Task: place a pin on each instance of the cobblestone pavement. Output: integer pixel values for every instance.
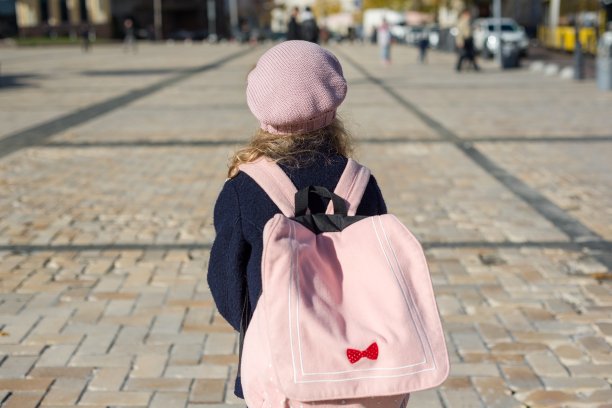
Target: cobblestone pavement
(110, 164)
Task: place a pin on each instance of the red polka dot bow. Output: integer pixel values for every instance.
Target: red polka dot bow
(356, 355)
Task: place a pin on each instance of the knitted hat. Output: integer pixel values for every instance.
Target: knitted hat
(295, 87)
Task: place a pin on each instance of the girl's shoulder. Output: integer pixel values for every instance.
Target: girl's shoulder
(240, 185)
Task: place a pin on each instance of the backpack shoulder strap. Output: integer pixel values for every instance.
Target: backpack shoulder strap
(273, 180)
(352, 185)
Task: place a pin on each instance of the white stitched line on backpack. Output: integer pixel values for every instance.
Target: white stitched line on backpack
(294, 274)
(410, 297)
(366, 377)
(291, 274)
(425, 263)
(297, 305)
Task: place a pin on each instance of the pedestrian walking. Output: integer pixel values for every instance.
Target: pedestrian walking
(465, 41)
(309, 29)
(383, 37)
(85, 37)
(129, 40)
(423, 45)
(293, 28)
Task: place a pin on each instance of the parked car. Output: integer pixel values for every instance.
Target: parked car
(373, 18)
(414, 34)
(485, 40)
(398, 31)
(434, 35)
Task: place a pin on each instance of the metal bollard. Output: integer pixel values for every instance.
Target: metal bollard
(604, 62)
(578, 55)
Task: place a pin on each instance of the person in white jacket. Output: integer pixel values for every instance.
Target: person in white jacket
(383, 37)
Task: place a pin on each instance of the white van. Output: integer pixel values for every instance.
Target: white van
(373, 18)
(485, 40)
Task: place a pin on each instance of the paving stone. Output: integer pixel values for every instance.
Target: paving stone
(23, 400)
(493, 333)
(60, 339)
(207, 391)
(468, 342)
(461, 398)
(590, 370)
(543, 338)
(461, 369)
(21, 349)
(220, 343)
(115, 398)
(56, 355)
(65, 391)
(188, 354)
(545, 364)
(542, 398)
(517, 348)
(149, 365)
(569, 354)
(101, 360)
(169, 399)
(61, 372)
(520, 378)
(494, 392)
(159, 384)
(599, 397)
(581, 384)
(26, 384)
(98, 340)
(429, 398)
(198, 371)
(605, 328)
(108, 379)
(492, 358)
(16, 366)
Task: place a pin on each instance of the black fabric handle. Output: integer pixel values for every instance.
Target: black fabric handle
(304, 196)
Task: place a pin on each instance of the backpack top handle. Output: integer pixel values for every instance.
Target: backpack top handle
(303, 199)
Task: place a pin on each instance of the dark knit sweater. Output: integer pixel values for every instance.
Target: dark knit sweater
(241, 212)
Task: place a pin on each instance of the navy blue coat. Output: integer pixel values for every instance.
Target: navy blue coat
(241, 212)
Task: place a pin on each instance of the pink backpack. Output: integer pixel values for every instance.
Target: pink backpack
(347, 314)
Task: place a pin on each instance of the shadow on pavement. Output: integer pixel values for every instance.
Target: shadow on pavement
(129, 72)
(18, 81)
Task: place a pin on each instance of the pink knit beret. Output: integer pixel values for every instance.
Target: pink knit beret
(295, 87)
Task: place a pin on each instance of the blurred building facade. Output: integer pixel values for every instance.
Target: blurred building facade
(106, 17)
(62, 17)
(8, 19)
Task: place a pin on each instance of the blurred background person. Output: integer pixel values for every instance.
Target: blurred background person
(423, 44)
(293, 28)
(129, 40)
(465, 41)
(309, 28)
(85, 37)
(383, 37)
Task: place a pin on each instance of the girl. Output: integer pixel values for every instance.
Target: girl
(294, 92)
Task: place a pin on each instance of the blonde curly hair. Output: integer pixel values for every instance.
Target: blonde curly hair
(294, 150)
